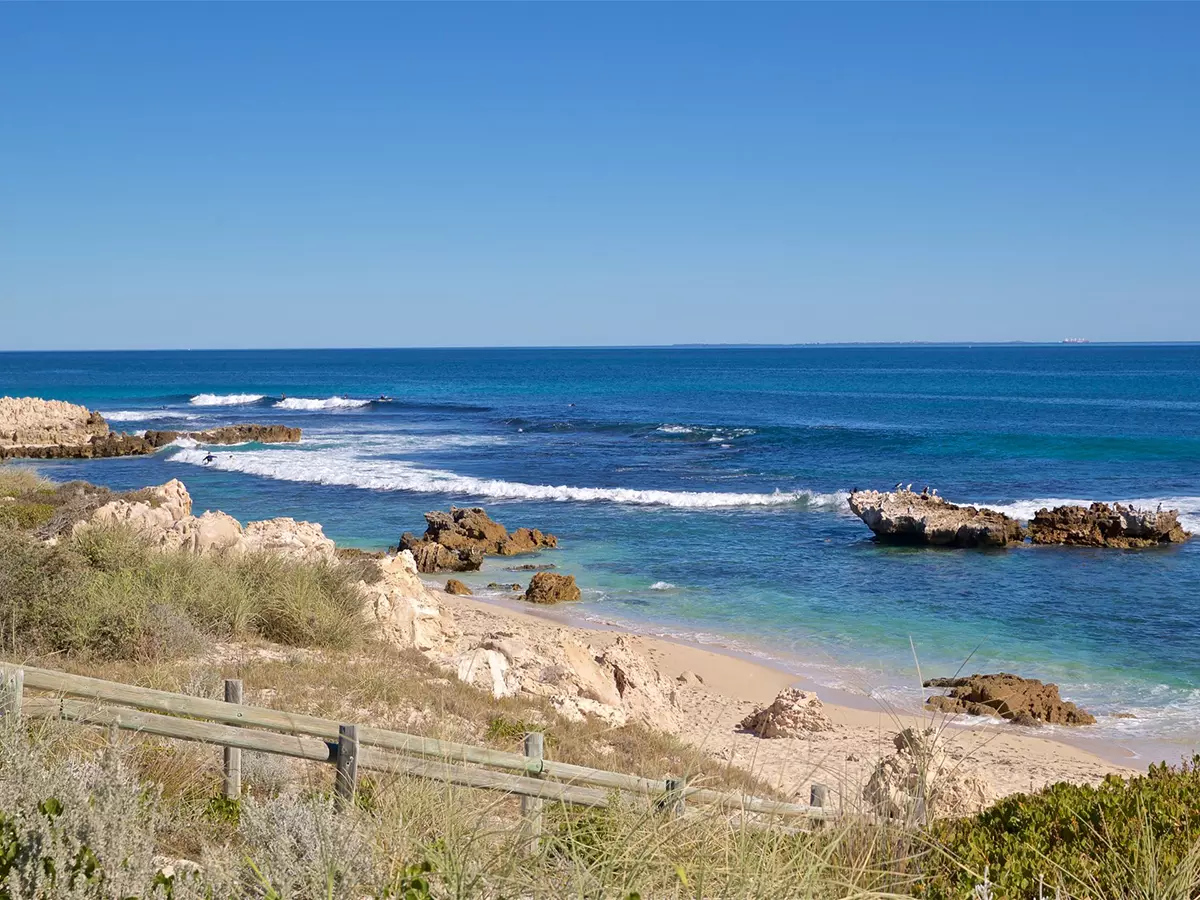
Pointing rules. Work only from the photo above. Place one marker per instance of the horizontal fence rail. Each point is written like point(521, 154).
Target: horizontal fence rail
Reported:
point(237, 726)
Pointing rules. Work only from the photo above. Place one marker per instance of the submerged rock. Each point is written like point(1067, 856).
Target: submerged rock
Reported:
point(794, 713)
point(1024, 701)
point(546, 587)
point(497, 586)
point(1101, 525)
point(230, 434)
point(904, 517)
point(458, 540)
point(920, 781)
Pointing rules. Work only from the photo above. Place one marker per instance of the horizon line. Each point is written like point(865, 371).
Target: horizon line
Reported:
point(1073, 343)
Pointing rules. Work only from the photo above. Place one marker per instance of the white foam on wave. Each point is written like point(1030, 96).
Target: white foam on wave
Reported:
point(343, 466)
point(717, 434)
point(662, 586)
point(1189, 507)
point(145, 415)
point(327, 403)
point(225, 399)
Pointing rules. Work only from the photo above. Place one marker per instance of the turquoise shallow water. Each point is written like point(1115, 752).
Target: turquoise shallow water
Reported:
point(701, 492)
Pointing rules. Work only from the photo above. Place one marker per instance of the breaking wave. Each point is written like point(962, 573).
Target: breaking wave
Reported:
point(328, 403)
point(345, 467)
point(662, 586)
point(712, 434)
point(145, 415)
point(226, 399)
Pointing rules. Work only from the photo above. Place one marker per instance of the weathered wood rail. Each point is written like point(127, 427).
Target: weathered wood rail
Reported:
point(350, 747)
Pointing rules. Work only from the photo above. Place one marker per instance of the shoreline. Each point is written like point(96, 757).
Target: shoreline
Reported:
point(1011, 759)
point(1137, 753)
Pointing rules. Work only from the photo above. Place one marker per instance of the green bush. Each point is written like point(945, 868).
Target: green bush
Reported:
point(1135, 838)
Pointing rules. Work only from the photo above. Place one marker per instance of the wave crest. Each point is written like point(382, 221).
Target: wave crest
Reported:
point(328, 403)
point(344, 467)
point(145, 415)
point(226, 399)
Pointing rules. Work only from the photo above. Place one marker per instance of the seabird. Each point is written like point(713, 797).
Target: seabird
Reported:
point(925, 491)
point(933, 493)
point(898, 484)
point(909, 488)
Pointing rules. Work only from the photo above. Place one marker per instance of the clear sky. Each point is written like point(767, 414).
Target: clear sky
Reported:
point(233, 175)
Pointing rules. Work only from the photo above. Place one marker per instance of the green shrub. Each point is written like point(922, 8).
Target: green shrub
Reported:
point(24, 514)
point(1135, 838)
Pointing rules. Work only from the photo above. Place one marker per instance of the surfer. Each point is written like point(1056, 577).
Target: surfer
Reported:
point(209, 459)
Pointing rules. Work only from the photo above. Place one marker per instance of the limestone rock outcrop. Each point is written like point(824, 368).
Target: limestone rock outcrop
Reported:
point(905, 517)
point(230, 434)
point(33, 422)
point(547, 587)
point(458, 540)
point(920, 781)
point(456, 587)
point(1025, 701)
point(794, 713)
point(1101, 525)
point(163, 515)
point(615, 684)
point(402, 610)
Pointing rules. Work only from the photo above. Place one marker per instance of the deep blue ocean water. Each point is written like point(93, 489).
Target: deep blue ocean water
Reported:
point(701, 492)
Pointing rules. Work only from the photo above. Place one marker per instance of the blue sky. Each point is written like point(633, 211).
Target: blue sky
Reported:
point(230, 175)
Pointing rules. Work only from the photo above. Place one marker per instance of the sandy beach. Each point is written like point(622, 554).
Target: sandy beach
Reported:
point(1007, 757)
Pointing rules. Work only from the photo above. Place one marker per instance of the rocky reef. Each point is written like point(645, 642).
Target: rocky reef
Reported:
point(1024, 701)
point(230, 434)
point(1102, 525)
point(457, 541)
point(905, 517)
point(32, 428)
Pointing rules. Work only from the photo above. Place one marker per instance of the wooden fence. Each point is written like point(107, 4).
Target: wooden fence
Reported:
point(349, 747)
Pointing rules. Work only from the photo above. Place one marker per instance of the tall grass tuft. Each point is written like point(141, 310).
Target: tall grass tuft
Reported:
point(103, 593)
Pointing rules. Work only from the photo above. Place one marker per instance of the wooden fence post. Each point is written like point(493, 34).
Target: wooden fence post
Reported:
point(674, 803)
point(12, 691)
point(531, 807)
point(346, 781)
point(233, 755)
point(818, 795)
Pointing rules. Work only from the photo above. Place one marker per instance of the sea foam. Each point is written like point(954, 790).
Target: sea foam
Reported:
point(145, 415)
point(328, 403)
point(341, 466)
point(225, 399)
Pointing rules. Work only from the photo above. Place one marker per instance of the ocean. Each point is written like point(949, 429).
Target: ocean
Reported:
point(701, 493)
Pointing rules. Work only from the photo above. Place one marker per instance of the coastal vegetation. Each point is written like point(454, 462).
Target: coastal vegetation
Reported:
point(144, 817)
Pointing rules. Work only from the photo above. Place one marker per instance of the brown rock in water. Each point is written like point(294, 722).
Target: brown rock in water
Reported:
point(546, 587)
point(110, 445)
point(1020, 700)
point(530, 567)
point(1101, 525)
point(433, 557)
point(794, 713)
point(458, 540)
point(454, 586)
point(230, 434)
point(496, 586)
point(904, 517)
